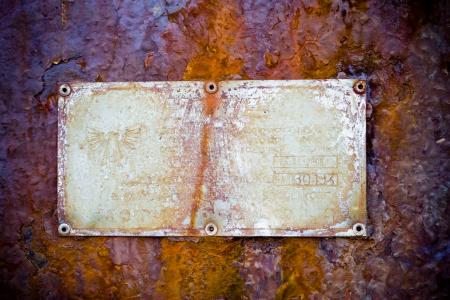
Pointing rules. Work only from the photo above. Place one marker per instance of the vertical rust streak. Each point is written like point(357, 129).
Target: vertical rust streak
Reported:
point(210, 105)
point(204, 159)
point(63, 13)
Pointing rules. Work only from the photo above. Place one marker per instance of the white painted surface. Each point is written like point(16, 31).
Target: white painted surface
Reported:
point(284, 158)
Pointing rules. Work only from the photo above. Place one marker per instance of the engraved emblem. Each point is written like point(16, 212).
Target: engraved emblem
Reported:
point(111, 146)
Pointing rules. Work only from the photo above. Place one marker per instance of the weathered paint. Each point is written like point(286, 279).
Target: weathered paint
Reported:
point(400, 47)
point(254, 158)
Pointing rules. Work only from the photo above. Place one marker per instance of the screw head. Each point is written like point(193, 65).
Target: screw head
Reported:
point(211, 87)
point(211, 229)
point(64, 90)
point(359, 229)
point(64, 229)
point(359, 87)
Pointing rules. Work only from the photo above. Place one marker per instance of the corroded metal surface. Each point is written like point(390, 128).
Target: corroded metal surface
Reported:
point(249, 158)
point(400, 47)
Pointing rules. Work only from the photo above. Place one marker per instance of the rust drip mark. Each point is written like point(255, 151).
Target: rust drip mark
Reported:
point(64, 13)
point(199, 187)
point(211, 103)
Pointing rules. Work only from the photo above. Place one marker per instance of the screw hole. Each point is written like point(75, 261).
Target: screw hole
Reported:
point(64, 228)
point(359, 229)
point(211, 87)
point(64, 90)
point(211, 229)
point(359, 87)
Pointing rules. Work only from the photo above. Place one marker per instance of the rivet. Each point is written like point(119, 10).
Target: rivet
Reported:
point(64, 90)
point(211, 229)
point(64, 229)
point(211, 87)
point(359, 229)
point(359, 87)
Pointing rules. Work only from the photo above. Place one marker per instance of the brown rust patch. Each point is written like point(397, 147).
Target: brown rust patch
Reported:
point(149, 60)
point(213, 66)
point(302, 273)
point(271, 60)
point(394, 117)
point(64, 14)
point(217, 37)
point(207, 269)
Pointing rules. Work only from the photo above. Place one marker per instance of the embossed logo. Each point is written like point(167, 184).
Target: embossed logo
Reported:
point(110, 146)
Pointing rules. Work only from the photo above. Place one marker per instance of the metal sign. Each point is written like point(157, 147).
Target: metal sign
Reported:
point(235, 158)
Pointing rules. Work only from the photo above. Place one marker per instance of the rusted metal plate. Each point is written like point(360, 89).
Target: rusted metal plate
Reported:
point(240, 158)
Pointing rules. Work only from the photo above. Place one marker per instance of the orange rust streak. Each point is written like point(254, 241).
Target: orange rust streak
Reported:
point(210, 105)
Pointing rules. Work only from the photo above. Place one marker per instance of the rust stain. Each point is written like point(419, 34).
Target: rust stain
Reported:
point(302, 270)
point(213, 60)
point(149, 60)
point(210, 105)
point(66, 260)
point(206, 269)
point(201, 269)
point(271, 60)
point(394, 116)
point(64, 9)
point(213, 66)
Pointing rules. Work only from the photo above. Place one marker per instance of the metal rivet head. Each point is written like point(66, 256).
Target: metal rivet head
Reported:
point(211, 229)
point(64, 229)
point(211, 87)
point(64, 90)
point(360, 87)
point(359, 229)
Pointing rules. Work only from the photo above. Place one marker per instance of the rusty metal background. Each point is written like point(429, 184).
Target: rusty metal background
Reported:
point(401, 48)
point(238, 158)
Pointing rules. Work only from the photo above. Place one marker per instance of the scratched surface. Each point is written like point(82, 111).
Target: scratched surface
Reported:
point(280, 158)
point(400, 47)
